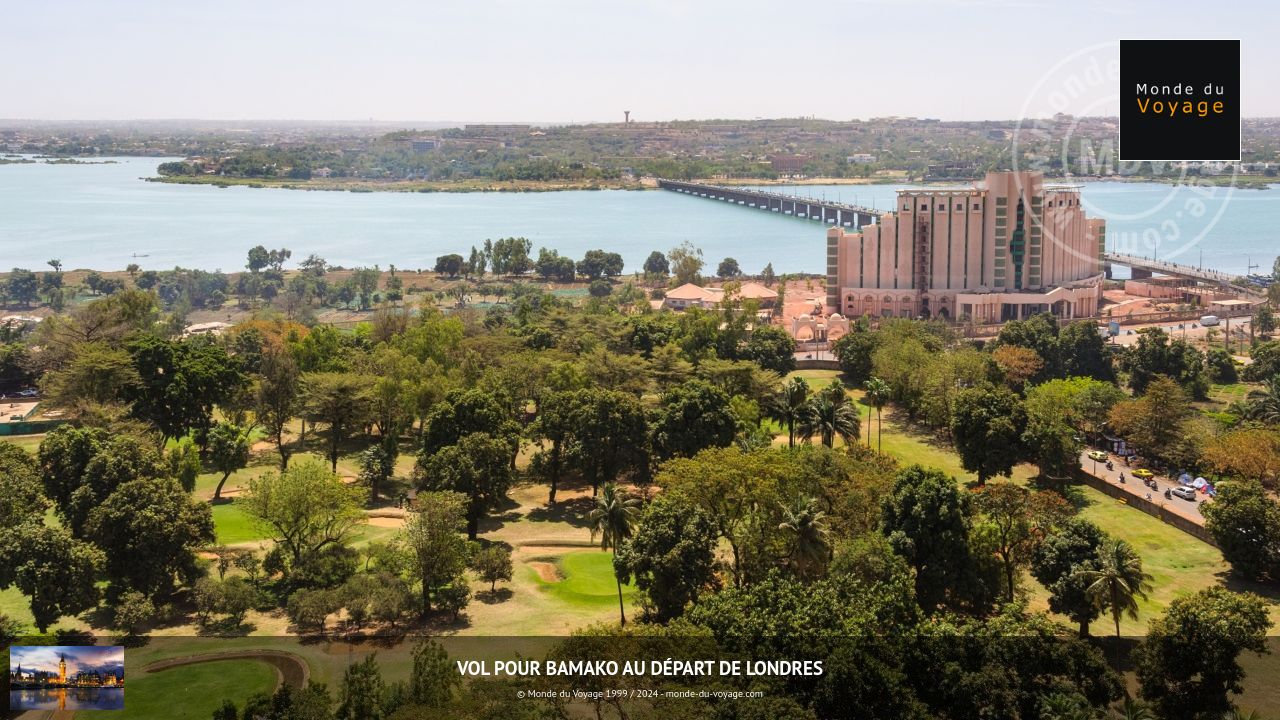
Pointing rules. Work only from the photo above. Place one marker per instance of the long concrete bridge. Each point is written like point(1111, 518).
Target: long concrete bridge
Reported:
point(830, 213)
point(1143, 267)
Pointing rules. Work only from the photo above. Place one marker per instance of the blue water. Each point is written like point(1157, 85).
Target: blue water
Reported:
point(102, 216)
point(75, 698)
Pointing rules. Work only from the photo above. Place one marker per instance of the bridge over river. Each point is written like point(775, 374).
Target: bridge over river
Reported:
point(830, 213)
point(1144, 267)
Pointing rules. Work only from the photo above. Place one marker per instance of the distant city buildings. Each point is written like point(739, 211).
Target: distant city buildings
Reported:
point(1002, 249)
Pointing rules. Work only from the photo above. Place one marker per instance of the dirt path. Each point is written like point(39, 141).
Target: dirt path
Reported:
point(289, 668)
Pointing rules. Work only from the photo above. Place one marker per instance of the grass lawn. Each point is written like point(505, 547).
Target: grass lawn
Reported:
point(233, 525)
point(586, 579)
point(191, 691)
point(30, 443)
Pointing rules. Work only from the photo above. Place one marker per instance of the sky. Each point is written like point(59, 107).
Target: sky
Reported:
point(79, 659)
point(557, 61)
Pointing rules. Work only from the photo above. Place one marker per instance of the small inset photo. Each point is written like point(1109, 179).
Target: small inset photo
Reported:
point(66, 677)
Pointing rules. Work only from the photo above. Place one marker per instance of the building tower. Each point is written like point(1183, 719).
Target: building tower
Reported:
point(626, 117)
point(62, 669)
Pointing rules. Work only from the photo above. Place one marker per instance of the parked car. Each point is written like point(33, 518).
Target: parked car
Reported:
point(1098, 455)
point(1184, 492)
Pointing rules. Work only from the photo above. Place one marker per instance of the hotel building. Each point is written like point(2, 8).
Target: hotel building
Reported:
point(1003, 249)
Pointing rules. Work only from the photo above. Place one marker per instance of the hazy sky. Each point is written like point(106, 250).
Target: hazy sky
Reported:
point(581, 60)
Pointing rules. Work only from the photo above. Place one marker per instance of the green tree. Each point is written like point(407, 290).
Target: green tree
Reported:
point(433, 679)
point(612, 519)
point(21, 493)
point(986, 427)
point(132, 612)
point(1245, 521)
point(182, 382)
point(493, 564)
point(360, 695)
point(656, 265)
point(1263, 403)
point(97, 373)
point(831, 416)
point(1084, 352)
point(728, 269)
point(23, 286)
point(479, 467)
point(671, 556)
point(772, 348)
point(277, 400)
point(1156, 422)
point(877, 396)
point(1061, 561)
point(54, 570)
point(610, 435)
point(228, 446)
point(686, 263)
point(598, 264)
point(555, 424)
point(439, 552)
point(377, 465)
point(1118, 582)
point(451, 265)
point(790, 406)
point(151, 530)
point(808, 536)
point(854, 350)
point(1016, 519)
point(461, 413)
point(82, 467)
point(927, 522)
point(307, 508)
point(1189, 665)
point(693, 416)
point(1155, 355)
point(339, 400)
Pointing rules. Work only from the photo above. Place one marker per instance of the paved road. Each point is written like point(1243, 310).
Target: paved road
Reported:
point(1133, 486)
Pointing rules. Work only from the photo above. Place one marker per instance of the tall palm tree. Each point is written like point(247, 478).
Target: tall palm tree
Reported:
point(612, 518)
point(877, 395)
point(790, 407)
point(828, 418)
point(806, 523)
point(1118, 583)
point(1263, 404)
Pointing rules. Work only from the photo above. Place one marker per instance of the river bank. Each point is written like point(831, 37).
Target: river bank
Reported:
point(403, 186)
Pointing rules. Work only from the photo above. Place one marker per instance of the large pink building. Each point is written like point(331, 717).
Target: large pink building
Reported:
point(1005, 248)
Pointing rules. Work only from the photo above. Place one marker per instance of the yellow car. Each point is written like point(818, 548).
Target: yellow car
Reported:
point(1143, 473)
point(1097, 455)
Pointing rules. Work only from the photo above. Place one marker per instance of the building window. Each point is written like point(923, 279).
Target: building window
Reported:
point(924, 207)
point(906, 206)
point(977, 206)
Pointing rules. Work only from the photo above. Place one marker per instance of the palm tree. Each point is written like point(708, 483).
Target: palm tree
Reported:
point(828, 418)
point(877, 395)
point(1118, 583)
point(806, 523)
point(1263, 404)
point(790, 407)
point(612, 517)
point(1133, 709)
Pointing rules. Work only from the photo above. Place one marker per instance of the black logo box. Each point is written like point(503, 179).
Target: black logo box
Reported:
point(1189, 65)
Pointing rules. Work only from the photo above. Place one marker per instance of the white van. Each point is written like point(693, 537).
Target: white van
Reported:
point(1209, 320)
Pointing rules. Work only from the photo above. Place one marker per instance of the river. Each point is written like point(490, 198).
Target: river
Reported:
point(103, 216)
